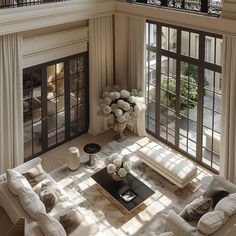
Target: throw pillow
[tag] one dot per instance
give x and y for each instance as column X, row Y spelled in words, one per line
column 227, row 204
column 211, row 222
column 30, row 202
column 17, row 229
column 35, row 175
column 49, row 225
column 71, row 220
column 217, row 196
column 219, row 184
column 195, row 209
column 48, row 197
column 16, row 180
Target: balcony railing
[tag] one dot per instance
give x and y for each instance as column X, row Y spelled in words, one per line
column 22, row 3
column 212, row 7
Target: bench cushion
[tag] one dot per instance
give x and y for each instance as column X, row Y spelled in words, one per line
column 168, row 163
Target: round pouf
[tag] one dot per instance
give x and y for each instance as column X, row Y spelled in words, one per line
column 73, row 160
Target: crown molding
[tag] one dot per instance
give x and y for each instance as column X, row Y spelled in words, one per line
column 44, row 15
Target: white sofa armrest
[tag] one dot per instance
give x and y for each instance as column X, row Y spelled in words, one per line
column 177, row 225
column 28, row 165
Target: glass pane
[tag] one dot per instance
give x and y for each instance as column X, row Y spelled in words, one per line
column 51, row 106
column 52, row 125
column 163, row 131
column 216, row 143
column 194, row 45
column 164, row 65
column 81, row 98
column 152, row 110
column 218, row 51
column 163, row 115
column 192, row 5
column 217, row 122
column 73, row 98
column 60, row 87
column 209, row 79
column 192, row 112
column 152, row 77
column 60, row 103
column 28, row 149
column 171, row 136
column 171, row 120
column 81, row 108
column 164, row 37
column 172, row 67
column 214, row 7
column 60, row 135
column 209, row 49
column 217, row 105
column 207, row 117
column 152, row 35
column 183, row 143
column 27, row 133
column 60, row 119
column 73, row 114
column 218, row 83
column 152, row 60
column 152, row 93
column 207, row 138
column 192, row 130
column 216, row 162
column 52, row 138
column 37, row 129
column 208, row 99
column 151, row 125
column 206, row 156
column 37, row 114
column 183, row 126
column 185, row 43
column 51, row 73
column 192, row 148
column 172, row 40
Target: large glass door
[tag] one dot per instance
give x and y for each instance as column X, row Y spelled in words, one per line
column 55, row 103
column 183, row 90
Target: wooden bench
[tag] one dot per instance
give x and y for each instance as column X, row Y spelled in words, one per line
column 166, row 162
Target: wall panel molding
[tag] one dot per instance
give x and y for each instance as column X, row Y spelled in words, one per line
column 50, row 47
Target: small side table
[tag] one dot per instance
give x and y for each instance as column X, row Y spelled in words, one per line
column 91, row 149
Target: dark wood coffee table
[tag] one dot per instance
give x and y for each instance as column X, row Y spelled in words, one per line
column 129, row 193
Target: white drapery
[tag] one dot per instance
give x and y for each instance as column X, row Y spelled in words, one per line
column 101, row 72
column 136, row 62
column 11, row 102
column 228, row 120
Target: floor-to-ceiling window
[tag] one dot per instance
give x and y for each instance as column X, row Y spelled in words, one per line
column 55, row 103
column 183, row 90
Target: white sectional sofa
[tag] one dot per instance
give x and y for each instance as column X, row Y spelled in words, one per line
column 219, row 221
column 14, row 209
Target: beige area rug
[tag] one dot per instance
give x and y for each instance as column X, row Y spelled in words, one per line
column 110, row 220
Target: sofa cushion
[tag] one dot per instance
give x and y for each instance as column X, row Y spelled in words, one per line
column 71, row 220
column 49, row 225
column 219, row 184
column 30, row 202
column 48, row 196
column 16, row 180
column 227, row 204
column 211, row 222
column 35, row 175
column 17, row 229
column 195, row 209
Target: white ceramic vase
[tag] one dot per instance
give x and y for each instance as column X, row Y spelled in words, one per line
column 73, row 160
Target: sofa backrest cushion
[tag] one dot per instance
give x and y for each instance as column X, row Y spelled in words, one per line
column 195, row 209
column 227, row 204
column 219, row 184
column 50, row 225
column 30, row 202
column 35, row 174
column 15, row 181
column 211, row 222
